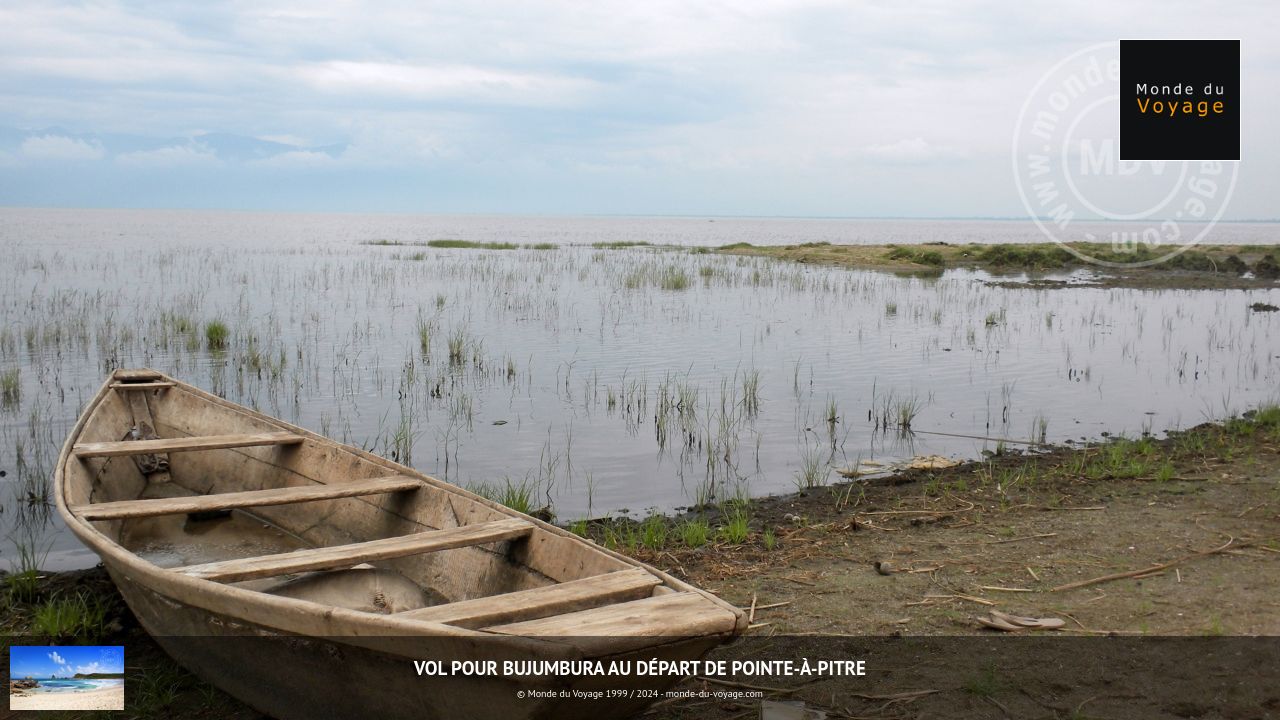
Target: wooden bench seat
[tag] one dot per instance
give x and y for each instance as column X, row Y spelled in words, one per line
column 249, row 498
column 540, row 602
column 629, row 625
column 185, row 444
column 341, row 556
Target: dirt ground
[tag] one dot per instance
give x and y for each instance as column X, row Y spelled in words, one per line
column 1192, row 549
column 1177, row 537
column 956, row 543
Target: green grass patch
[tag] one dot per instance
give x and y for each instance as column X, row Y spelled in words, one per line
column 932, row 258
column 694, row 532
column 674, row 278
column 471, row 244
column 22, row 586
column 1267, row 267
column 653, row 532
column 1265, row 418
column 517, row 496
column 985, row 684
column 216, row 335
column 1031, row 257
column 814, row 471
column 10, row 387
column 737, row 524
column 620, row 244
column 80, row 617
column 1123, row 459
column 158, row 691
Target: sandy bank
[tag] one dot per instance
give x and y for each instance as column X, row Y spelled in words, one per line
column 111, row 698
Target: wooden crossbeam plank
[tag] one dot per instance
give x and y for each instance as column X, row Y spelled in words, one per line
column 340, row 556
column 142, row 385
column 249, row 498
column 681, row 614
column 127, row 375
column 185, row 444
column 540, row 602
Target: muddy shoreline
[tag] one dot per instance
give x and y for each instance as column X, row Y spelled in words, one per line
column 1125, row 539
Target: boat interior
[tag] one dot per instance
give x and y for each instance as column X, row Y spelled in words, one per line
column 202, row 487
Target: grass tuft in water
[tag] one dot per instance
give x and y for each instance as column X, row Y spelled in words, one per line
column 22, row 584
column 10, row 388
column 517, row 496
column 458, row 347
column 216, row 334
column 813, row 470
column 471, row 245
column 620, row 244
column 674, row 278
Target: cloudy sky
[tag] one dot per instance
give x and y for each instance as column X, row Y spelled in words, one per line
column 40, row 661
column 756, row 107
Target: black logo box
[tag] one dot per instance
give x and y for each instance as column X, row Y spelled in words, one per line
column 1155, row 74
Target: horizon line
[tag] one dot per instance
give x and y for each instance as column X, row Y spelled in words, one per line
column 683, row 216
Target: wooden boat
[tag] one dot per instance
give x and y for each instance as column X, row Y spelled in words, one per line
column 305, row 577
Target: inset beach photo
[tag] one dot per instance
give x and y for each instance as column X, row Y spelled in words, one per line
column 77, row 677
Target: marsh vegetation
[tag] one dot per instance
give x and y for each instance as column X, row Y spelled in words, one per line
column 598, row 377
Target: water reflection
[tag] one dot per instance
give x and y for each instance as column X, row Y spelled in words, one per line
column 594, row 379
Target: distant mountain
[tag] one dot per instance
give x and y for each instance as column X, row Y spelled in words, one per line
column 99, row 676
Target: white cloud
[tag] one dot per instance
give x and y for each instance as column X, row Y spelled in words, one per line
column 798, row 94
column 284, row 139
column 910, row 151
column 297, row 159
column 411, row 140
column 54, row 656
column 168, row 157
column 60, row 147
column 436, row 81
column 93, row 667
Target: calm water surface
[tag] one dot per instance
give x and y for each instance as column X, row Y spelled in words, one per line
column 603, row 380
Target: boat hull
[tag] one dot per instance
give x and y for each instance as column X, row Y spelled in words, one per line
column 294, row 677
column 292, row 657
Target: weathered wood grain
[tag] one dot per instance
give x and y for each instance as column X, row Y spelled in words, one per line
column 187, row 444
column 540, row 602
column 339, row 556
column 249, row 498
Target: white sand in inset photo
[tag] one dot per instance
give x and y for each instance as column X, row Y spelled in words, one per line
column 108, row 698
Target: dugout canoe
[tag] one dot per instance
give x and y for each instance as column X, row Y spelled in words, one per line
column 305, row 577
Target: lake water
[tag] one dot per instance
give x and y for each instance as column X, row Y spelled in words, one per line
column 603, row 380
